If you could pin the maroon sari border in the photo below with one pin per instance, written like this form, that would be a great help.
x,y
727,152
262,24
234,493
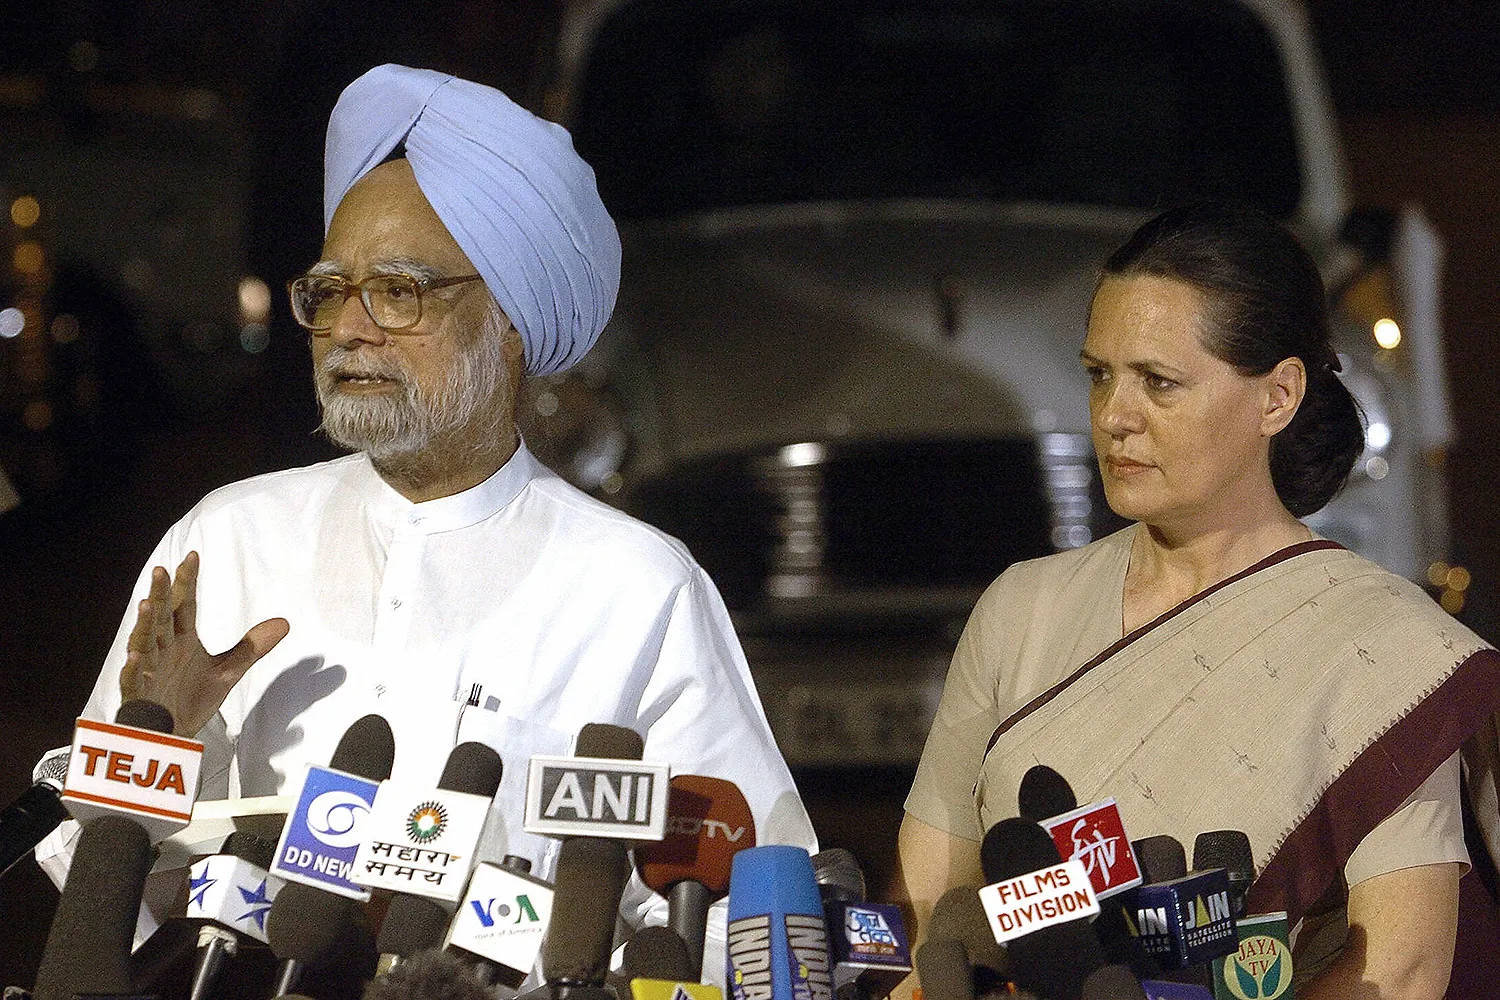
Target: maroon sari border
x,y
1041,700
1384,774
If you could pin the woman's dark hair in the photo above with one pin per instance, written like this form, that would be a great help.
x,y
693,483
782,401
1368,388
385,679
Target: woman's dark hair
x,y
1266,303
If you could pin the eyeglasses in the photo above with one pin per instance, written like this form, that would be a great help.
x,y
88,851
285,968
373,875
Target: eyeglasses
x,y
394,301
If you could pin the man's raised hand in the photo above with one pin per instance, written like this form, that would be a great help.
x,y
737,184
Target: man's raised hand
x,y
166,663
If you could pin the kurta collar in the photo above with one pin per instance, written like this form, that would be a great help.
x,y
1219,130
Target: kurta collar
x,y
461,509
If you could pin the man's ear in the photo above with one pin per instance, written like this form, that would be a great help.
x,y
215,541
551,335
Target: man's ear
x,y
1285,385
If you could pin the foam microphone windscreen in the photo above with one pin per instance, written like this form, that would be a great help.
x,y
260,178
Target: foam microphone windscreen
x,y
590,879
839,875
367,748
1161,858
657,953
88,948
943,970
1044,793
306,924
959,916
708,821
1014,847
415,923
259,851
143,714
1229,850
1112,982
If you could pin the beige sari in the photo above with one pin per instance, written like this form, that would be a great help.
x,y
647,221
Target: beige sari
x,y
1300,701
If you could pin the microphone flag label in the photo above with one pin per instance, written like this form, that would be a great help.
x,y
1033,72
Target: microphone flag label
x,y
1262,967
232,892
869,945
323,833
667,989
149,776
1095,835
420,840
597,797
1186,921
1038,899
1162,990
503,917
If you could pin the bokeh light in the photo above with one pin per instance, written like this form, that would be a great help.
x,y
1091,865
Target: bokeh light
x,y
25,211
1387,333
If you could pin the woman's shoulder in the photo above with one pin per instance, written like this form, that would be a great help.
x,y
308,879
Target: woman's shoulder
x,y
1093,566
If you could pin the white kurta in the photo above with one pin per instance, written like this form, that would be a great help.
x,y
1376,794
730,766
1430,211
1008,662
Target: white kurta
x,y
512,613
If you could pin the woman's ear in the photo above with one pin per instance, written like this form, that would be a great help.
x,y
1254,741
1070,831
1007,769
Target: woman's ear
x,y
1285,384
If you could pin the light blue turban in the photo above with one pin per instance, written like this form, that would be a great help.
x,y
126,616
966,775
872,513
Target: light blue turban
x,y
508,185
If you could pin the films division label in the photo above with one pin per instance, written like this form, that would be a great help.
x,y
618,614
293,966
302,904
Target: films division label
x,y
1038,899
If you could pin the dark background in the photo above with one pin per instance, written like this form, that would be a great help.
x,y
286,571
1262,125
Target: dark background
x,y
1416,85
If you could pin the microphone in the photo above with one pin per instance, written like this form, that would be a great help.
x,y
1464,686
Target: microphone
x,y
133,766
306,923
1112,982
1044,793
658,953
777,945
89,944
416,921
1161,858
959,916
1038,905
429,975
708,820
1229,850
944,970
591,870
36,813
232,892
868,940
503,918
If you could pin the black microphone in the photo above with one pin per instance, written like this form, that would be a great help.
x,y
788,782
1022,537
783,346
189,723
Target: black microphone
x,y
591,877
1161,858
1052,961
429,975
658,953
1044,793
1112,982
88,947
416,923
960,916
36,813
306,924
247,858
1229,850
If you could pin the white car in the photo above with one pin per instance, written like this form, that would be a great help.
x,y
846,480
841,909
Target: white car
x,y
860,240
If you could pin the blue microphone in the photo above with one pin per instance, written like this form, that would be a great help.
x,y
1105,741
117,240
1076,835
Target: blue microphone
x,y
777,946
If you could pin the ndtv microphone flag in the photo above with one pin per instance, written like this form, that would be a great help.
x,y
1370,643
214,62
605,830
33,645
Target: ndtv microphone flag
x,y
597,797
1038,899
420,840
149,776
323,833
1094,835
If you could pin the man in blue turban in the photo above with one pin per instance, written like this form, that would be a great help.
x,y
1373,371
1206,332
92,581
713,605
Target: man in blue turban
x,y
439,575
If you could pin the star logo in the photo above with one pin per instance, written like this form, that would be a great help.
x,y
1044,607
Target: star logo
x,y
198,888
258,903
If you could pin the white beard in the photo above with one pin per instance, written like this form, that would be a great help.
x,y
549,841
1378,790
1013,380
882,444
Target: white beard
x,y
470,405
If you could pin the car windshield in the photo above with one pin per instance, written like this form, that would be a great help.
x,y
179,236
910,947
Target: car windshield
x,y
1130,103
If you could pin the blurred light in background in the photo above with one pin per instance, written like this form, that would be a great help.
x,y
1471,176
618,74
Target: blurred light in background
x,y
65,328
1377,467
255,337
1454,583
1387,333
12,322
255,300
1378,435
38,415
25,211
797,455
83,56
29,258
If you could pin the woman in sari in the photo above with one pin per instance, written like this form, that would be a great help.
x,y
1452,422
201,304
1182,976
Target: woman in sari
x,y
1215,665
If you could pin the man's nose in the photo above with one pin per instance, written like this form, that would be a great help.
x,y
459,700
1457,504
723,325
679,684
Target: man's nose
x,y
354,325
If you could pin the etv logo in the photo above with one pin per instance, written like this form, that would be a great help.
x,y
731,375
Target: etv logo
x,y
867,927
333,818
492,911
